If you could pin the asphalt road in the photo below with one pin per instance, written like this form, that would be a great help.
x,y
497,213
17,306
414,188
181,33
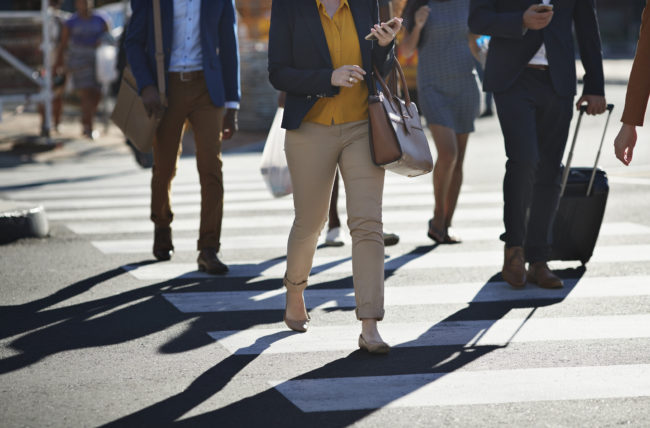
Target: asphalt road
x,y
94,332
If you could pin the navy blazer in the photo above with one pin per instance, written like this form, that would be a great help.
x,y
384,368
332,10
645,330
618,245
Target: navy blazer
x,y
511,48
299,59
218,46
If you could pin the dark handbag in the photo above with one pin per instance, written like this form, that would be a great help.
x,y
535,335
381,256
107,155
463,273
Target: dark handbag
x,y
129,113
397,139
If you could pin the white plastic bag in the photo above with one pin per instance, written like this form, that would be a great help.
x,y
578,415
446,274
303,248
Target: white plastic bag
x,y
274,162
106,62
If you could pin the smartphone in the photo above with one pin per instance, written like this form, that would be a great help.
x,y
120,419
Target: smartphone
x,y
391,23
544,8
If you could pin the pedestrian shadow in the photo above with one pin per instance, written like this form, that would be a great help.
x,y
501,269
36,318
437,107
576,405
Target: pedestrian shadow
x,y
201,389
46,326
390,268
250,271
83,179
442,349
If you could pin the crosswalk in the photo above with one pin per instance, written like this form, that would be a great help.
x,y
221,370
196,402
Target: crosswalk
x,y
448,300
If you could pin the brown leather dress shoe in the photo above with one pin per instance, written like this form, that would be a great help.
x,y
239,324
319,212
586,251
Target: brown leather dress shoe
x,y
540,274
163,249
210,263
514,267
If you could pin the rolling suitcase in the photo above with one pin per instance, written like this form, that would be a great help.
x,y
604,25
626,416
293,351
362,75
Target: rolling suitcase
x,y
582,205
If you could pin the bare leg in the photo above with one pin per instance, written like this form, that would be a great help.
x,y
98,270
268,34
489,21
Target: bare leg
x,y
95,97
447,148
57,110
89,101
456,179
369,330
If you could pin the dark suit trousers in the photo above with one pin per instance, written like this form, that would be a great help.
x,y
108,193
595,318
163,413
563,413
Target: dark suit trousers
x,y
535,124
189,100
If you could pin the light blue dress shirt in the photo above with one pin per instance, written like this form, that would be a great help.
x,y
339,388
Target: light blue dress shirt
x,y
186,44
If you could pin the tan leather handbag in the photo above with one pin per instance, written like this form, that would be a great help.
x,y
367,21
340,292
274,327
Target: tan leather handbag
x,y
129,113
397,139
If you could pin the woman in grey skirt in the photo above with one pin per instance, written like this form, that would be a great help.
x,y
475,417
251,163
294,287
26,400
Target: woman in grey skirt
x,y
80,38
448,95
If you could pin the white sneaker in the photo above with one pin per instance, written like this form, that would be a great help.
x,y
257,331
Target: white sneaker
x,y
332,238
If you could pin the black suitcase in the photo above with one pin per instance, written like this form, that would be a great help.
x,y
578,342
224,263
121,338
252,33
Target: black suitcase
x,y
582,205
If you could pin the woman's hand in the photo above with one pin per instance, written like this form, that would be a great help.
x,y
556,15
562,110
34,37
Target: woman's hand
x,y
624,143
385,33
347,75
421,16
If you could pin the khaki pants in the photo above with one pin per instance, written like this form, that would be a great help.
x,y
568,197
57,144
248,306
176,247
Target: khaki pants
x,y
189,100
313,152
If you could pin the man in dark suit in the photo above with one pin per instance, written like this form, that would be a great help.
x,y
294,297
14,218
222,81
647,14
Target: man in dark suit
x,y
531,71
201,64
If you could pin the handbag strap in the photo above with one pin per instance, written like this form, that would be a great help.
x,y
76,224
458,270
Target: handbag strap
x,y
384,87
160,56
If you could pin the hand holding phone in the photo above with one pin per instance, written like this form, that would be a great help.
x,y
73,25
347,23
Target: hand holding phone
x,y
393,24
537,16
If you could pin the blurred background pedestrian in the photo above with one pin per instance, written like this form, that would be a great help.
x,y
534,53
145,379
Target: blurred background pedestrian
x,y
80,38
448,95
58,78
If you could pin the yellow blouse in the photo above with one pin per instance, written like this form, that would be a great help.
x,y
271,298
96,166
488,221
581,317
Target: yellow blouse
x,y
351,104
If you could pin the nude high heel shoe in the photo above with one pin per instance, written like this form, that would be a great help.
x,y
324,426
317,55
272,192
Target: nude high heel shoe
x,y
293,288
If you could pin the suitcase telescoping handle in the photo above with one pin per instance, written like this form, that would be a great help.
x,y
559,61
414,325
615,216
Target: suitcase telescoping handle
x,y
565,174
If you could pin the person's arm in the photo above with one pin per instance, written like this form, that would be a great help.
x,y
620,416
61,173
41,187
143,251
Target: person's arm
x,y
383,49
484,19
63,46
229,57
282,75
135,42
473,47
409,43
638,87
636,99
588,36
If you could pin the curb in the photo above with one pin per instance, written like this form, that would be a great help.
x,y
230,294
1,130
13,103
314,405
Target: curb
x,y
22,220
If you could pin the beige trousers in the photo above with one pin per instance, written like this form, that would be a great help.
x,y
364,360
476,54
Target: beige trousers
x,y
313,153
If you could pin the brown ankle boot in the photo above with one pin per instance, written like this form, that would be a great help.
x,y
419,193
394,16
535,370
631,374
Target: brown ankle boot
x,y
540,274
514,267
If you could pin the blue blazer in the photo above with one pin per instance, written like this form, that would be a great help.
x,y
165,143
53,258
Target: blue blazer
x,y
511,49
218,42
299,59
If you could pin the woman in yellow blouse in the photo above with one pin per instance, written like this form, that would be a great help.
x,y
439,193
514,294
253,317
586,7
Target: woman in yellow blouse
x,y
319,56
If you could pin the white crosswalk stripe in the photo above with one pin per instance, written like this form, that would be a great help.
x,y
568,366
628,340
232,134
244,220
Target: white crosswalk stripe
x,y
255,223
216,301
279,241
463,388
341,265
470,333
